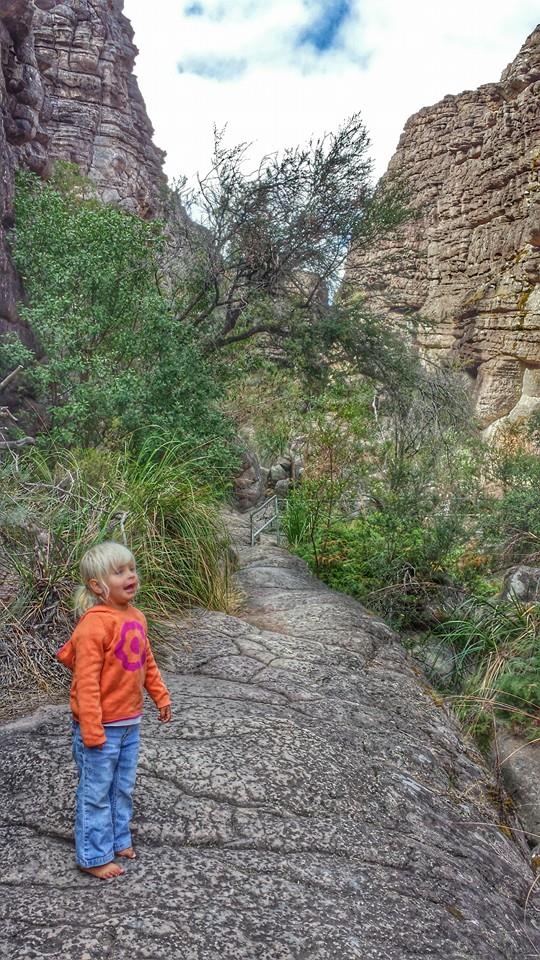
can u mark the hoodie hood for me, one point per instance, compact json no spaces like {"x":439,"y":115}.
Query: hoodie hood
{"x":66,"y":654}
{"x":100,"y":608}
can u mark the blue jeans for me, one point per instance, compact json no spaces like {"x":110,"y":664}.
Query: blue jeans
{"x":104,"y":794}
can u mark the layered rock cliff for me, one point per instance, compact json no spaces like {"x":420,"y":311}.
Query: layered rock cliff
{"x":23,"y":139}
{"x":470,"y":262}
{"x":85,"y":54}
{"x":67,"y":91}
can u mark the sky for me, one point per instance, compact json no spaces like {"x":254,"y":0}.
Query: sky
{"x":276,"y":72}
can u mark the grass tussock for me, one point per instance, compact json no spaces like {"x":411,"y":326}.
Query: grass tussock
{"x":496,"y":665}
{"x":53,"y":508}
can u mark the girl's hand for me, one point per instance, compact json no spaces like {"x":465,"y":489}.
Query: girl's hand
{"x":165,"y":714}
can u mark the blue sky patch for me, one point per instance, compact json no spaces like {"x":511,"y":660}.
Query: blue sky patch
{"x":194,"y":10}
{"x":214,"y":68}
{"x":322,"y":33}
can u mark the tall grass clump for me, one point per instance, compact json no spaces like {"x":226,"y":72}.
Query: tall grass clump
{"x":53,"y":508}
{"x":496,"y":657}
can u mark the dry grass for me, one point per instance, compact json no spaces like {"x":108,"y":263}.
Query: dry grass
{"x":53,"y":508}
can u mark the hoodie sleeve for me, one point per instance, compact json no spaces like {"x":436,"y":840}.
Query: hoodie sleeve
{"x":66,"y":654}
{"x":89,"y":655}
{"x":153,"y":682}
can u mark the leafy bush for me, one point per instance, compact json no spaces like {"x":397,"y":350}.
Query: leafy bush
{"x":511,"y":520}
{"x":390,"y":561}
{"x":112,"y":358}
{"x":387,"y":494}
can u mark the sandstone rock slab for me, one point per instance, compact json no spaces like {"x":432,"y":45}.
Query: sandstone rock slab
{"x":311,"y":799}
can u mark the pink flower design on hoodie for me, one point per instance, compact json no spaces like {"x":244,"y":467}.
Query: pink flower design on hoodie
{"x":132,"y":642}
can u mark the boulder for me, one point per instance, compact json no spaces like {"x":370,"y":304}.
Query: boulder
{"x":249,"y":482}
{"x":519,"y":763}
{"x":522,"y":583}
{"x":282,"y":487}
{"x":277,"y":472}
{"x":437,"y":659}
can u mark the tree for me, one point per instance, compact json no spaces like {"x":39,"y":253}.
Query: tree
{"x":266,"y":258}
{"x":140,"y":322}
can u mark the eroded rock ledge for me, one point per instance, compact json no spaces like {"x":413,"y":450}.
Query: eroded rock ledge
{"x":97,"y":117}
{"x":312,"y":799}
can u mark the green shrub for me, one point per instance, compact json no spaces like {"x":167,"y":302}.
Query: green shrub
{"x":388,"y":560}
{"x":511,"y":520}
{"x":113,"y":361}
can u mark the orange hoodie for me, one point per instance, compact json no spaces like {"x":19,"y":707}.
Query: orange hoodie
{"x":112,"y":662}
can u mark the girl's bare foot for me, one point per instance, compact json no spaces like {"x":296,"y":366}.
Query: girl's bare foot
{"x":105,"y":872}
{"x":127,"y":852}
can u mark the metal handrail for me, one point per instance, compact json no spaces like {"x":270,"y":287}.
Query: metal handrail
{"x":260,"y":513}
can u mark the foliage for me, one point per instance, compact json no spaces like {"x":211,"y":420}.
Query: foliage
{"x":169,"y":519}
{"x":267,"y":405}
{"x":112,"y":359}
{"x":262,"y":269}
{"x":53,"y":508}
{"x":496,"y":662}
{"x":511,"y":518}
{"x":391,"y":561}
{"x":389,"y":488}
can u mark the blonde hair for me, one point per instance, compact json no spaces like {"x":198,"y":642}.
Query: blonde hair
{"x":96,"y":564}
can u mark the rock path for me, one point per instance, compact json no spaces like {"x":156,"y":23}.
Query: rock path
{"x":312,"y":800}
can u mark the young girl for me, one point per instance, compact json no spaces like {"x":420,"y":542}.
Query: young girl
{"x":112,"y":663}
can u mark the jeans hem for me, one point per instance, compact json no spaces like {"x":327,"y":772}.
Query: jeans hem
{"x":122,"y":846}
{"x":96,"y":862}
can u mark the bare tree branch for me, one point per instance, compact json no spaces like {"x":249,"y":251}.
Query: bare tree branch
{"x":11,"y":376}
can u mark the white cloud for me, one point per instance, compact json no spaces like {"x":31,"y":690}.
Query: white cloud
{"x":389,"y":59}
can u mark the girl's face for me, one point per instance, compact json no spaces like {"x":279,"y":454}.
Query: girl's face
{"x":122,"y":584}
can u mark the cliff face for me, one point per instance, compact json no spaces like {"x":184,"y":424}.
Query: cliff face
{"x":67,"y":92}
{"x":85,"y":54}
{"x":470,"y":262}
{"x":23,"y":139}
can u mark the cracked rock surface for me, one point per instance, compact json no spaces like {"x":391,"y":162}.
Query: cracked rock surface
{"x":311,"y":800}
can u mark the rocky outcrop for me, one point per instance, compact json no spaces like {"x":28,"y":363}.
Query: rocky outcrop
{"x":312,"y":798}
{"x":67,"y":92}
{"x":521,"y":583}
{"x":249,"y":482}
{"x":23,"y":140}
{"x":519,"y":765}
{"x":469,"y":262}
{"x":85,"y":54}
